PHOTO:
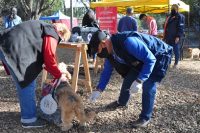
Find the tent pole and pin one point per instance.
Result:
(188, 25)
(71, 15)
(168, 6)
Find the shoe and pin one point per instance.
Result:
(38, 123)
(176, 66)
(115, 105)
(140, 123)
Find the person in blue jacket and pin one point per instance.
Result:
(174, 31)
(12, 19)
(128, 22)
(142, 60)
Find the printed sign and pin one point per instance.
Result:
(107, 17)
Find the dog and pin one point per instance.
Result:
(192, 53)
(71, 104)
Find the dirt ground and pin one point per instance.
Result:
(177, 106)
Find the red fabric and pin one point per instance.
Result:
(165, 26)
(49, 54)
(152, 25)
(6, 69)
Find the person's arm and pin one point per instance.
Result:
(135, 25)
(139, 50)
(180, 26)
(49, 55)
(152, 27)
(6, 22)
(119, 26)
(105, 76)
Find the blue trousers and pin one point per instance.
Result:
(27, 98)
(176, 49)
(148, 94)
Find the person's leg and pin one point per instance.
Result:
(176, 48)
(148, 98)
(27, 100)
(26, 97)
(125, 89)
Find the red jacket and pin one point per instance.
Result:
(49, 55)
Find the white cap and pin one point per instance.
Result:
(48, 105)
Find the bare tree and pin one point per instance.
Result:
(33, 8)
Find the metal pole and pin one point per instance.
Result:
(71, 16)
(168, 6)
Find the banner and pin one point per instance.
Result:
(107, 17)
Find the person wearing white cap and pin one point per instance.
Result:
(128, 22)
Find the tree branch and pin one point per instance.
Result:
(47, 6)
(24, 6)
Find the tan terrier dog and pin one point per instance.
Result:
(71, 105)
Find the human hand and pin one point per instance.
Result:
(63, 78)
(62, 67)
(135, 87)
(176, 40)
(94, 96)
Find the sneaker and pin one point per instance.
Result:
(115, 105)
(140, 123)
(38, 123)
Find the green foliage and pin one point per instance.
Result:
(194, 15)
(5, 6)
(30, 11)
(58, 5)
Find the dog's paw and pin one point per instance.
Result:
(84, 124)
(65, 127)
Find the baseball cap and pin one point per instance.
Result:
(95, 40)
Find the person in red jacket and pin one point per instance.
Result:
(151, 23)
(24, 49)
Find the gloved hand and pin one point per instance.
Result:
(135, 87)
(94, 96)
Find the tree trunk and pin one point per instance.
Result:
(34, 8)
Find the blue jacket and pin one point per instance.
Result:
(12, 22)
(174, 28)
(127, 23)
(148, 55)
